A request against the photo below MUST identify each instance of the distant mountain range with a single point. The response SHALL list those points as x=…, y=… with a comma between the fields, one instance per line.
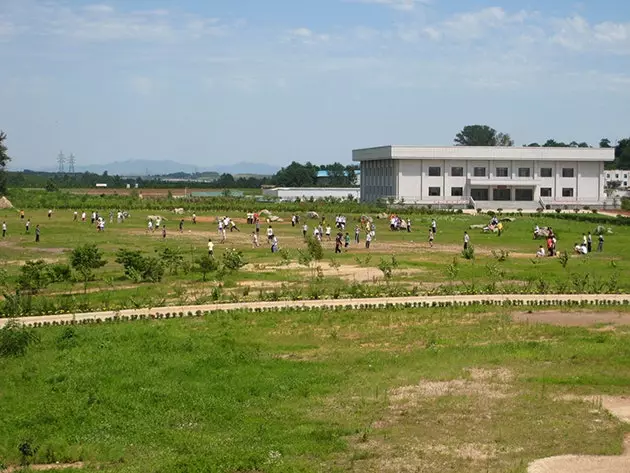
x=141, y=167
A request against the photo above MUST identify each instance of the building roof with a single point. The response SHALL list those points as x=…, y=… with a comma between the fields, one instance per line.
x=483, y=152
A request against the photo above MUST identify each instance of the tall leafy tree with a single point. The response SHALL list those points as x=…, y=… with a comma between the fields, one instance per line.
x=604, y=143
x=622, y=154
x=4, y=160
x=482, y=135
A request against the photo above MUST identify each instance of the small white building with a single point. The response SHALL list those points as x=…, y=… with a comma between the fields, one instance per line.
x=617, y=175
x=487, y=177
x=306, y=193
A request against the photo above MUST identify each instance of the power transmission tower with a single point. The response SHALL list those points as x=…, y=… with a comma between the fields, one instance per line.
x=61, y=160
x=71, y=161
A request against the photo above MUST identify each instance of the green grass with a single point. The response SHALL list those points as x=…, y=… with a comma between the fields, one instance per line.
x=312, y=391
x=419, y=266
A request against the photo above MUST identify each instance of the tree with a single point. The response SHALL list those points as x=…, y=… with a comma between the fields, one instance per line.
x=604, y=143
x=85, y=259
x=622, y=154
x=51, y=186
x=296, y=175
x=34, y=276
x=503, y=139
x=205, y=265
x=4, y=160
x=482, y=135
x=533, y=145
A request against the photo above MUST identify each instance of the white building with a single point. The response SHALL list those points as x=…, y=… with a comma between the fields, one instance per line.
x=488, y=177
x=617, y=175
x=306, y=193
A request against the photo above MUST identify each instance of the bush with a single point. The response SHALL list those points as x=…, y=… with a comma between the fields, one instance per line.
x=60, y=272
x=314, y=248
x=233, y=259
x=15, y=339
x=34, y=276
x=469, y=253
x=206, y=264
x=479, y=210
x=558, y=210
x=140, y=268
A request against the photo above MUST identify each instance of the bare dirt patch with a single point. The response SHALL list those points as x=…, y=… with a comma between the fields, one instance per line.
x=573, y=318
x=619, y=406
x=46, y=467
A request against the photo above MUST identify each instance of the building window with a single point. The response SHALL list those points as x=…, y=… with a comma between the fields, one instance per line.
x=457, y=191
x=502, y=172
x=545, y=192
x=567, y=192
x=457, y=171
x=607, y=176
x=545, y=172
x=434, y=191
x=523, y=172
x=435, y=171
x=567, y=172
x=616, y=176
x=479, y=172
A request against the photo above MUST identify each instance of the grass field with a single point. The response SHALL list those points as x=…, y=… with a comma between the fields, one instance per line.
x=355, y=272
x=427, y=390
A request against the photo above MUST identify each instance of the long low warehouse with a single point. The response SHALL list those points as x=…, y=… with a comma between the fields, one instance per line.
x=306, y=193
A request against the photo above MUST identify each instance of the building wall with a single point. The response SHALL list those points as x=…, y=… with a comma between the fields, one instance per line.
x=413, y=179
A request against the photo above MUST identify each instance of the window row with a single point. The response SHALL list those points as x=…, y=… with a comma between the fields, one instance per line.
x=458, y=171
x=459, y=192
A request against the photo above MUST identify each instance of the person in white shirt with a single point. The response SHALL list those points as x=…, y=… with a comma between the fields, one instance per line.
x=255, y=243
x=210, y=248
x=304, y=230
x=83, y=216
x=4, y=229
x=368, y=240
x=466, y=238
x=316, y=233
x=269, y=233
x=150, y=226
x=434, y=226
x=75, y=215
x=541, y=252
x=328, y=230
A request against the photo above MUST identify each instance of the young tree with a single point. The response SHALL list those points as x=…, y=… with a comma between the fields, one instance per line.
x=34, y=276
x=85, y=259
x=205, y=265
x=4, y=160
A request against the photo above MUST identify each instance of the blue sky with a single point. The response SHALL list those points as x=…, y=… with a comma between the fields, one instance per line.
x=221, y=81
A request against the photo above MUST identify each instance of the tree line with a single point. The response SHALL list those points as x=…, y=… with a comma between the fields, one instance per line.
x=484, y=135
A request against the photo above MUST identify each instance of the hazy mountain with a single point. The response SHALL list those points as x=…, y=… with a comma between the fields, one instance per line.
x=141, y=167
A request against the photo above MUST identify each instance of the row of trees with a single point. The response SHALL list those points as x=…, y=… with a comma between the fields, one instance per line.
x=484, y=135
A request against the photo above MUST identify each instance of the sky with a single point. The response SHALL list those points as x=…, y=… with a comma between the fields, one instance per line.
x=209, y=82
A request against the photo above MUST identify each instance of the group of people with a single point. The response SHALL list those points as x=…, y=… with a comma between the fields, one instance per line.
x=587, y=244
x=396, y=223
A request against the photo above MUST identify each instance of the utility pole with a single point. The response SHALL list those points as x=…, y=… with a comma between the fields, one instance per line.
x=61, y=160
x=71, y=161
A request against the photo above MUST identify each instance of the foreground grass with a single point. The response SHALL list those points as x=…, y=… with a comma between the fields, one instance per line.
x=312, y=391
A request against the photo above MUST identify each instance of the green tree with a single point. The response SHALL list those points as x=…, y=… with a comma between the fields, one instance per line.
x=296, y=175
x=4, y=160
x=482, y=135
x=51, y=186
x=622, y=154
x=604, y=143
x=85, y=259
x=206, y=265
x=34, y=276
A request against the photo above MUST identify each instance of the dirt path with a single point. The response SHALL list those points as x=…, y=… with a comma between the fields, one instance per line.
x=620, y=408
x=524, y=298
x=46, y=467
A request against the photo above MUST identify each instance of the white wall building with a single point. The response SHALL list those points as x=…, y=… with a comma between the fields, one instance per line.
x=305, y=193
x=618, y=175
x=488, y=177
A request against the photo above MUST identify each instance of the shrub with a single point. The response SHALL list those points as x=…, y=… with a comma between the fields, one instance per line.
x=140, y=268
x=459, y=211
x=15, y=339
x=60, y=272
x=85, y=259
x=469, y=253
x=34, y=276
x=558, y=210
x=233, y=259
x=206, y=264
x=314, y=248
x=479, y=210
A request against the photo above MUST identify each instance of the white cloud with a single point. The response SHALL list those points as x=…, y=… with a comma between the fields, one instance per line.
x=306, y=36
x=403, y=5
x=474, y=25
x=577, y=34
x=102, y=23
